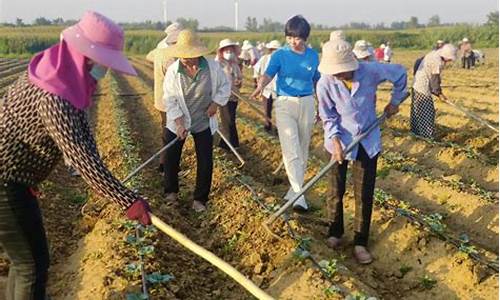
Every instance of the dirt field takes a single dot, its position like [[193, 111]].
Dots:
[[435, 225]]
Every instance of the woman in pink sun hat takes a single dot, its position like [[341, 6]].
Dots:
[[42, 118]]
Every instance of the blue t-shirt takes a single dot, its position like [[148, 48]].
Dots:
[[297, 73]]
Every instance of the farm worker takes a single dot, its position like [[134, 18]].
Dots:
[[388, 53], [346, 94], [248, 54], [361, 51], [226, 56], [194, 88], [161, 62], [269, 92], [42, 119], [371, 50], [427, 82], [337, 34], [467, 55], [296, 68], [379, 53], [439, 44]]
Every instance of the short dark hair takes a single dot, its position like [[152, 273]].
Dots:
[[297, 26]]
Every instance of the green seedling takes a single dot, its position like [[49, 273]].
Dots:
[[434, 222], [404, 269], [157, 277], [133, 269], [136, 296], [147, 250], [333, 290], [330, 267], [427, 282]]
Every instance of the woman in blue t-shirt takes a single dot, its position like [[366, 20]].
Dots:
[[296, 68]]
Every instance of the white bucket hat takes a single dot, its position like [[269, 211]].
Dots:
[[448, 51], [465, 40], [382, 46], [274, 44], [337, 58], [337, 35], [226, 43], [361, 49], [440, 42]]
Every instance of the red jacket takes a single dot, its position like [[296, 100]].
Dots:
[[379, 54]]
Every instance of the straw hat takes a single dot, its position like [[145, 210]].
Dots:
[[100, 39], [188, 45], [337, 35], [448, 51], [337, 58], [274, 44], [361, 49], [465, 40], [440, 42], [226, 43]]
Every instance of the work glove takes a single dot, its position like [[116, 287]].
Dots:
[[139, 211]]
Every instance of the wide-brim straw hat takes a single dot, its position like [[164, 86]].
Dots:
[[188, 45], [361, 49], [100, 39], [226, 43], [337, 58], [274, 44]]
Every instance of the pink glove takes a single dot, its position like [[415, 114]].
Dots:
[[139, 211]]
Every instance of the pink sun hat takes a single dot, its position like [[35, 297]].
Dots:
[[100, 39]]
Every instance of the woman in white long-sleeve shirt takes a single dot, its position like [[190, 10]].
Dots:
[[194, 88]]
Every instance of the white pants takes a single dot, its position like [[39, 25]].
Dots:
[[295, 121]]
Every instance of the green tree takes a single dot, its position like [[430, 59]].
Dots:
[[41, 21], [188, 23], [434, 21], [413, 23], [492, 18], [251, 24], [19, 22]]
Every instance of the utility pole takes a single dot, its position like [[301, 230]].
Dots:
[[236, 16], [165, 12]]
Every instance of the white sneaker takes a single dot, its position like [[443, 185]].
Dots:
[[300, 204]]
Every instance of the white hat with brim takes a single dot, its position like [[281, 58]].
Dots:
[[361, 49], [337, 58], [246, 45], [226, 43], [465, 40], [274, 44], [448, 51], [337, 35], [188, 45]]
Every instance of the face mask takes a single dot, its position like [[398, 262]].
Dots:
[[98, 71], [228, 55]]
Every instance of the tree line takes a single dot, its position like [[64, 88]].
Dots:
[[266, 25]]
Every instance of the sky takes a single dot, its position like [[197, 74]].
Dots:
[[221, 12]]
